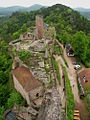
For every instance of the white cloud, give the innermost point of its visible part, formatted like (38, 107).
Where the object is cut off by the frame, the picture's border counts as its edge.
(71, 3)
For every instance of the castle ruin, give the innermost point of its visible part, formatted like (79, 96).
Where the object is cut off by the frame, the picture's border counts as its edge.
(40, 30)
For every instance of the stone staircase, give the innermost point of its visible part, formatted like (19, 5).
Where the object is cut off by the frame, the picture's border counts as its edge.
(76, 115)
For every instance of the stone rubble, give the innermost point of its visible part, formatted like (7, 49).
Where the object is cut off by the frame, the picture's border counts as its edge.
(51, 106)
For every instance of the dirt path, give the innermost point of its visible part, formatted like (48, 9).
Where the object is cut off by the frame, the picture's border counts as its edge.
(71, 74)
(61, 86)
(73, 81)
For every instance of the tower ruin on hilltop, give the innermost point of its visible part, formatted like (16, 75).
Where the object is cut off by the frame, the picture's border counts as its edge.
(40, 30)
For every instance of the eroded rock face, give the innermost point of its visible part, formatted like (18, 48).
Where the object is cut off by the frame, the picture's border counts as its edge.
(51, 106)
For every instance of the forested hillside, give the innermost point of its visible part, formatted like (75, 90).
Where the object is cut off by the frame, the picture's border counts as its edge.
(66, 21)
(70, 26)
(7, 11)
(84, 12)
(62, 17)
(8, 95)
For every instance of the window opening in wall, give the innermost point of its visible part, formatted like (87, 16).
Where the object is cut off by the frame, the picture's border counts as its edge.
(37, 95)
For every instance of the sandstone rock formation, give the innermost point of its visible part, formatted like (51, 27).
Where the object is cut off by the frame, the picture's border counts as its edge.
(51, 106)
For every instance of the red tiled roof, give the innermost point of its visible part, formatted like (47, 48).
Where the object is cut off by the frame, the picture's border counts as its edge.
(86, 73)
(26, 79)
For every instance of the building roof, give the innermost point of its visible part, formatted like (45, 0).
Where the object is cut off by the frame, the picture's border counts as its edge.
(26, 79)
(85, 73)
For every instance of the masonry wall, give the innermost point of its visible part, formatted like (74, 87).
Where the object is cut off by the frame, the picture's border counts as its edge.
(36, 93)
(20, 89)
(27, 36)
(40, 27)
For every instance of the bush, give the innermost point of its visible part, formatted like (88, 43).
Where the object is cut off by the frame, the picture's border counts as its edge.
(87, 64)
(57, 69)
(24, 55)
(58, 50)
(4, 94)
(64, 60)
(69, 98)
(2, 109)
(15, 97)
(5, 68)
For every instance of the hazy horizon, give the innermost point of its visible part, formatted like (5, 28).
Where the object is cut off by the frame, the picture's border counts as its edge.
(27, 3)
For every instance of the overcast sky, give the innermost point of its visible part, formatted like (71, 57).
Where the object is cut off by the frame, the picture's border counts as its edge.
(71, 3)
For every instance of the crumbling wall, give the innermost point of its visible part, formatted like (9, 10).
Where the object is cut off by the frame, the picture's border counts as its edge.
(27, 36)
(40, 30)
(20, 89)
(51, 106)
(36, 93)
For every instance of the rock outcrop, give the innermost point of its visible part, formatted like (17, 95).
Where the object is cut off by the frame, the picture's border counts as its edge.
(51, 106)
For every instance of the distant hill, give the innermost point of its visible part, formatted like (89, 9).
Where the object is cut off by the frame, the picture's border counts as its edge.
(6, 11)
(9, 10)
(34, 7)
(83, 11)
(59, 16)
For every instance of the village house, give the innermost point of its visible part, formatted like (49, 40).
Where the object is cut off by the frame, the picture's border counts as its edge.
(25, 83)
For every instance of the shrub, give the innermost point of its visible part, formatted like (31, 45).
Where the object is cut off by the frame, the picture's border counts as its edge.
(15, 97)
(58, 50)
(55, 64)
(64, 60)
(2, 109)
(24, 55)
(69, 98)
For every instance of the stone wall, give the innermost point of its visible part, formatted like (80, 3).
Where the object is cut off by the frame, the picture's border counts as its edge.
(27, 36)
(30, 95)
(20, 89)
(36, 93)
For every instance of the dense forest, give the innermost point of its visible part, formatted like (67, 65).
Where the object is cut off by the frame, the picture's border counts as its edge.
(70, 26)
(62, 17)
(86, 14)
(8, 95)
(83, 11)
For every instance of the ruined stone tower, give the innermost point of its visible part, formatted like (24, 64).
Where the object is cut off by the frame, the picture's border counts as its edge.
(40, 30)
